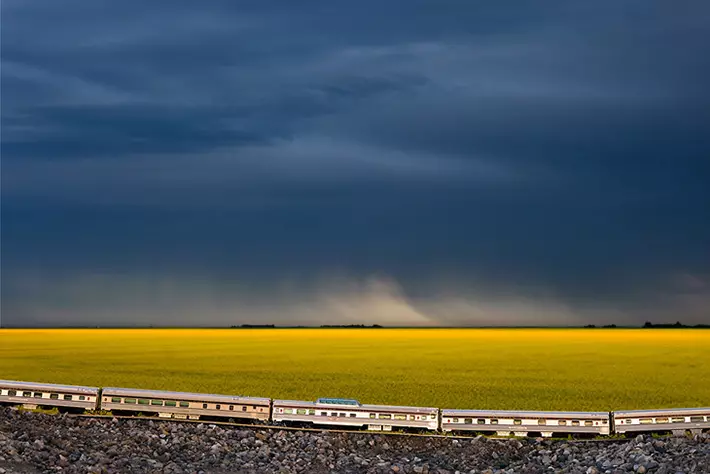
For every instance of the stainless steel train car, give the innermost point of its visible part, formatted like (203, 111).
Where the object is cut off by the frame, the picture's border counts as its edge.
(33, 395)
(184, 405)
(346, 412)
(350, 413)
(676, 419)
(520, 423)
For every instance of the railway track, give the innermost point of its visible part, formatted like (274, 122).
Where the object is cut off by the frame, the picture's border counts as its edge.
(271, 427)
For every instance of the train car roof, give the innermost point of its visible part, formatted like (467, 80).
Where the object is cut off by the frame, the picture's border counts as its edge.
(163, 394)
(307, 404)
(661, 411)
(47, 386)
(525, 414)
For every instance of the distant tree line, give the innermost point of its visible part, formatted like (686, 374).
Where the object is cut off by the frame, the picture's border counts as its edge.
(677, 324)
(649, 325)
(254, 326)
(269, 326)
(349, 326)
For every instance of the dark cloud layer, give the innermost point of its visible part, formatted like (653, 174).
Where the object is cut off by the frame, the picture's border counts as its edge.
(397, 162)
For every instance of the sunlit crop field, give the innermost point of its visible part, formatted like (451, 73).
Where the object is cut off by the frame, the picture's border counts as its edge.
(536, 369)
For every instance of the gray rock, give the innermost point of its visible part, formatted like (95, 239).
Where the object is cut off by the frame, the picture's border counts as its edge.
(137, 446)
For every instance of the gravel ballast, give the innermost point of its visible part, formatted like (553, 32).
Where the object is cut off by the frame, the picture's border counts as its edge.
(33, 443)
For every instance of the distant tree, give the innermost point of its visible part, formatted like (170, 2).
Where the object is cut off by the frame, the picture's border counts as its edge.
(590, 326)
(648, 324)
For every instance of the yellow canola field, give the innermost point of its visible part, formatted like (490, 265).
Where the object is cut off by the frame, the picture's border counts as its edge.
(532, 369)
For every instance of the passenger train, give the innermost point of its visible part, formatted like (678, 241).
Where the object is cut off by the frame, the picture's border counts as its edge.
(339, 412)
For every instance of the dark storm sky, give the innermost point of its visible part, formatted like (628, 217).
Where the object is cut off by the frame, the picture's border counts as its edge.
(403, 162)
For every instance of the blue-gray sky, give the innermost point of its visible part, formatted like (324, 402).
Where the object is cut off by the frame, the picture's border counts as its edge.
(399, 162)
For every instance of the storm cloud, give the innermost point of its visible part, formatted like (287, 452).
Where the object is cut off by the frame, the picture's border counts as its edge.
(423, 163)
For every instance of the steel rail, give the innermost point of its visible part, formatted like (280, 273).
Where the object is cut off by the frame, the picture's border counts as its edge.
(257, 426)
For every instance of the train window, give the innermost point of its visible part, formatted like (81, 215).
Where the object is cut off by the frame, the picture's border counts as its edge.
(288, 411)
(412, 417)
(646, 421)
(542, 421)
(479, 421)
(11, 393)
(678, 419)
(231, 407)
(26, 394)
(372, 415)
(157, 403)
(218, 407)
(333, 413)
(143, 401)
(455, 420)
(384, 416)
(204, 406)
(254, 407)
(588, 423)
(116, 400)
(244, 408)
(562, 422)
(129, 400)
(67, 397)
(575, 422)
(696, 419)
(54, 396)
(628, 422)
(324, 413)
(494, 421)
(82, 397)
(170, 403)
(400, 417)
(517, 422)
(184, 404)
(661, 420)
(352, 415)
(311, 412)
(301, 411)
(38, 394)
(343, 415)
